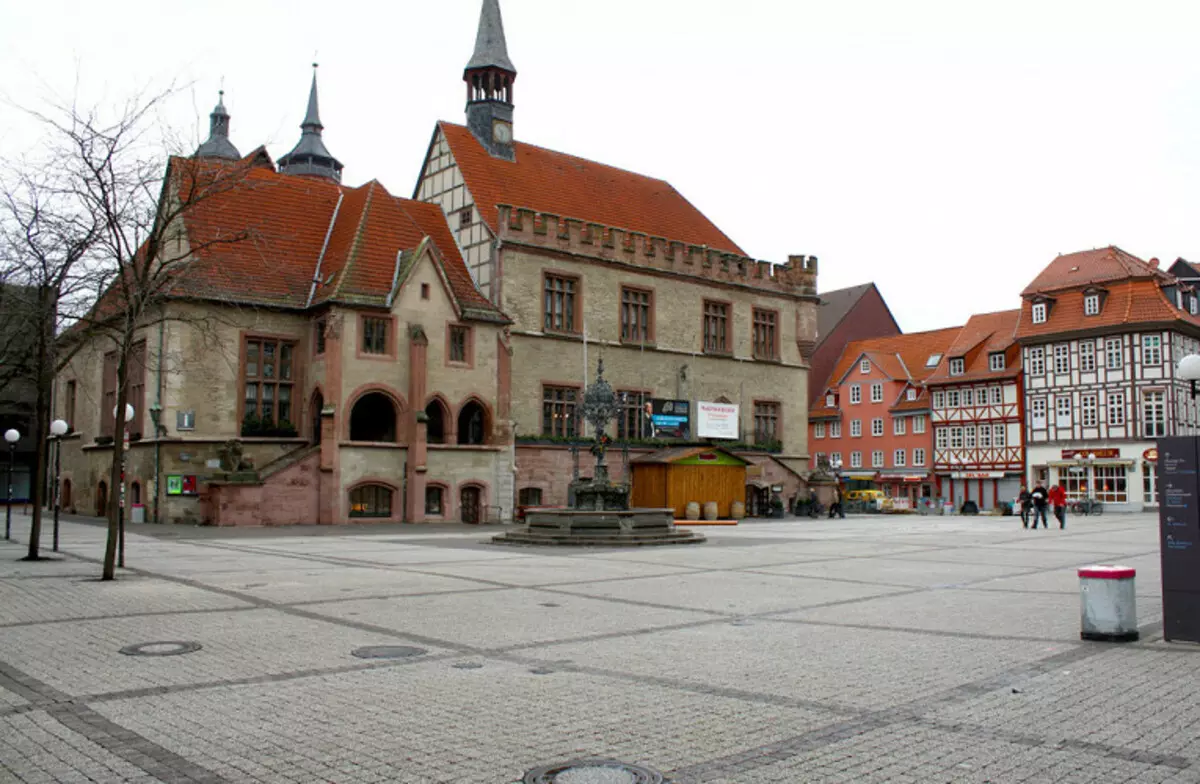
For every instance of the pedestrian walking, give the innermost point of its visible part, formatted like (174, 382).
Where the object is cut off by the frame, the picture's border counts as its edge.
(1025, 501)
(1041, 501)
(1058, 500)
(835, 508)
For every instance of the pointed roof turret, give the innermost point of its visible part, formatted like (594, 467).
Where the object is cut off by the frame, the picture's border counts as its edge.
(310, 156)
(218, 144)
(491, 50)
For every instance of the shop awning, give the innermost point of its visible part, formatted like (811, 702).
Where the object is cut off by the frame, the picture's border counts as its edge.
(1085, 463)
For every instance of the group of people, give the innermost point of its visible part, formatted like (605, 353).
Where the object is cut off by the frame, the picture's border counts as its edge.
(1039, 500)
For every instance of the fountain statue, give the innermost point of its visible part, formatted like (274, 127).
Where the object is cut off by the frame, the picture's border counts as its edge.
(601, 515)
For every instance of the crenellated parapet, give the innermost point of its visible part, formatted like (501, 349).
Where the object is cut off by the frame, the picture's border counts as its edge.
(798, 277)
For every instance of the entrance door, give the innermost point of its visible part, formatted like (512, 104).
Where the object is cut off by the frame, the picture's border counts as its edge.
(469, 502)
(101, 500)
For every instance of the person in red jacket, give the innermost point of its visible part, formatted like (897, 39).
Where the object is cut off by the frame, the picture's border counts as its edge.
(1058, 499)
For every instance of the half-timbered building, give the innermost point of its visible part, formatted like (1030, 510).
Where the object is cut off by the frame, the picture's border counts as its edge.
(1101, 332)
(976, 414)
(873, 419)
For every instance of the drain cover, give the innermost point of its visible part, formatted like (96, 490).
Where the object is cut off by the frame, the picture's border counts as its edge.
(387, 652)
(467, 666)
(593, 772)
(161, 648)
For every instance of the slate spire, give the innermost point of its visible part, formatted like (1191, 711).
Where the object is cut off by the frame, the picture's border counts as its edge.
(218, 144)
(310, 156)
(490, 75)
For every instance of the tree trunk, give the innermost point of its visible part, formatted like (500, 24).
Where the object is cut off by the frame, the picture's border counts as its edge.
(47, 305)
(115, 475)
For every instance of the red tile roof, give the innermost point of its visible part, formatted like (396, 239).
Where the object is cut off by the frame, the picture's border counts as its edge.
(983, 334)
(902, 357)
(1132, 294)
(548, 181)
(1091, 267)
(258, 240)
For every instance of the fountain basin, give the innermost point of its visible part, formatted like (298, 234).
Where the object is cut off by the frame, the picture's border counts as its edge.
(600, 528)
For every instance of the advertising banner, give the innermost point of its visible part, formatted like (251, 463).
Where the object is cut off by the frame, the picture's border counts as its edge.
(717, 420)
(670, 418)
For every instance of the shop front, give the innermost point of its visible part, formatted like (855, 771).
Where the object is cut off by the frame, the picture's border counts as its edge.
(1122, 477)
(988, 490)
(906, 489)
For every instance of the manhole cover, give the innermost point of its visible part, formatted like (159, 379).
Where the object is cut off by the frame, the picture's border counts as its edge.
(467, 666)
(161, 648)
(388, 652)
(593, 772)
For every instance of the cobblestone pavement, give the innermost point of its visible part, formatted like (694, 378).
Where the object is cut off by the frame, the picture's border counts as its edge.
(898, 649)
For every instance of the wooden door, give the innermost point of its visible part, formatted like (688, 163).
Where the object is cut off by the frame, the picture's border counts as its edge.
(469, 502)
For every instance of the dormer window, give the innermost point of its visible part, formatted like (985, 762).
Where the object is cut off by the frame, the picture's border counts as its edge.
(864, 367)
(996, 361)
(1039, 313)
(933, 360)
(911, 394)
(957, 366)
(829, 400)
(1091, 304)
(1192, 305)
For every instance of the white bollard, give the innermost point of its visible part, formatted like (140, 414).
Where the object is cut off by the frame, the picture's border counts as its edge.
(1108, 602)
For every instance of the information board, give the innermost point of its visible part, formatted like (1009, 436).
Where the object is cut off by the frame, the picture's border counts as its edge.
(1179, 534)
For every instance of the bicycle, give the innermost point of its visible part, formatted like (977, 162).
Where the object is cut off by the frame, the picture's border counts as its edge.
(1087, 506)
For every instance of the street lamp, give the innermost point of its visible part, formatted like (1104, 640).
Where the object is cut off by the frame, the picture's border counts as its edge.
(1189, 370)
(121, 503)
(12, 437)
(58, 429)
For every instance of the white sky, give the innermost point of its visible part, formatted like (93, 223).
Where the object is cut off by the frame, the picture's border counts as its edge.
(946, 149)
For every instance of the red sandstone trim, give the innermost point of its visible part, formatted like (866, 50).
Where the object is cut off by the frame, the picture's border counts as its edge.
(470, 348)
(353, 398)
(392, 338)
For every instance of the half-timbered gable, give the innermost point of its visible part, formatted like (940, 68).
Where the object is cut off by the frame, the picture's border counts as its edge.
(1101, 332)
(976, 413)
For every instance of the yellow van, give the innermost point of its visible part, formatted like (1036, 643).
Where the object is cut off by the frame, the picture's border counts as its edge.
(875, 499)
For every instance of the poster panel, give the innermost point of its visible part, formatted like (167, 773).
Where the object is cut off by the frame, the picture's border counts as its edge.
(670, 418)
(1179, 528)
(717, 420)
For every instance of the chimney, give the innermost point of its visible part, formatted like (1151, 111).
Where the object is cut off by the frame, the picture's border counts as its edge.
(1154, 263)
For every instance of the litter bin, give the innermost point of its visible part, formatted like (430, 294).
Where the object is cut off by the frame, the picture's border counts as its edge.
(1108, 603)
(137, 513)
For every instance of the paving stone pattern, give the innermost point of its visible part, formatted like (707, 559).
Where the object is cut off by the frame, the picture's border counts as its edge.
(862, 650)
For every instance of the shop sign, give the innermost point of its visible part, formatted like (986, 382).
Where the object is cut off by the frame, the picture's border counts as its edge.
(977, 475)
(1090, 454)
(1150, 455)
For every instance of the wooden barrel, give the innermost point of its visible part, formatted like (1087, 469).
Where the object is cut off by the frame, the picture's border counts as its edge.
(710, 510)
(692, 511)
(738, 511)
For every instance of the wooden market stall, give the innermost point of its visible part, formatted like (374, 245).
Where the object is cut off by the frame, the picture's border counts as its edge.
(670, 478)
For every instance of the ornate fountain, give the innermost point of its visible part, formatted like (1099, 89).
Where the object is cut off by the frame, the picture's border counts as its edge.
(601, 515)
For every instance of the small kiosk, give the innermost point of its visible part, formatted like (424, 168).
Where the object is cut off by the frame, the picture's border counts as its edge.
(670, 478)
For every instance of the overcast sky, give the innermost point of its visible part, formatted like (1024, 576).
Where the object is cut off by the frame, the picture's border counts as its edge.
(945, 149)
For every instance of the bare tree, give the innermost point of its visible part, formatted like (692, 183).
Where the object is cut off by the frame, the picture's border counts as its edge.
(140, 241)
(46, 234)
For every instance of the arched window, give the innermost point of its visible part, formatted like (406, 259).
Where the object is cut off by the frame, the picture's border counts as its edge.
(135, 493)
(472, 424)
(371, 501)
(318, 403)
(435, 500)
(435, 426)
(64, 498)
(373, 419)
(102, 499)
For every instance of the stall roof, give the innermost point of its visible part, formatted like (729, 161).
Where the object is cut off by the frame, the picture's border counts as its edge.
(691, 455)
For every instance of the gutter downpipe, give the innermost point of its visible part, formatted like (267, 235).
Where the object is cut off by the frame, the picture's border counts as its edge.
(316, 281)
(158, 426)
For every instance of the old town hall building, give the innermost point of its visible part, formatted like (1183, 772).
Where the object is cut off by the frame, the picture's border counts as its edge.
(423, 359)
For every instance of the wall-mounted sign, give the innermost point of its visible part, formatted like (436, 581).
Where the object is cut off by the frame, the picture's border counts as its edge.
(670, 418)
(1150, 455)
(977, 475)
(717, 420)
(1090, 454)
(174, 485)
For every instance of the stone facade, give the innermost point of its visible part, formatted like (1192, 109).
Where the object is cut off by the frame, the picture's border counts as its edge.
(198, 381)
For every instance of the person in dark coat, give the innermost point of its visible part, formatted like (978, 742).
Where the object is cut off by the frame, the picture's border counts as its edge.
(1026, 501)
(1041, 500)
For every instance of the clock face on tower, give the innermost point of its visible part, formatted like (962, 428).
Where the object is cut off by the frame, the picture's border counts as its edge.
(501, 132)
